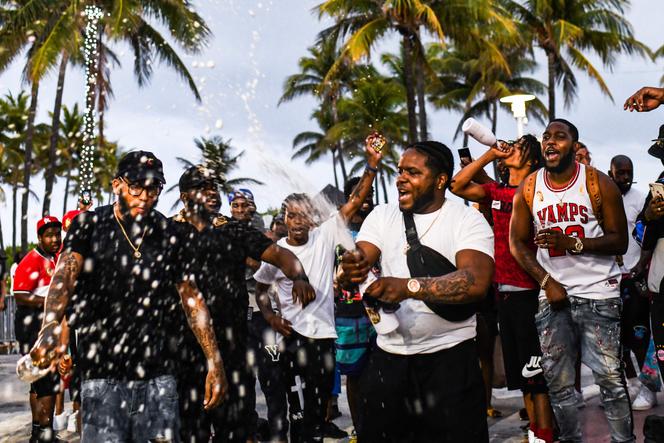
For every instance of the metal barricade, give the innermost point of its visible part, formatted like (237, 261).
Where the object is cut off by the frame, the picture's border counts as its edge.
(7, 334)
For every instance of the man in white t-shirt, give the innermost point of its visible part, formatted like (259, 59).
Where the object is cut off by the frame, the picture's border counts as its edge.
(423, 383)
(308, 328)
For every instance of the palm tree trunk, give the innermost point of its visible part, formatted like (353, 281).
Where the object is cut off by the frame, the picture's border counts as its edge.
(407, 43)
(384, 186)
(551, 57)
(27, 165)
(49, 175)
(377, 191)
(334, 168)
(421, 103)
(342, 162)
(67, 184)
(14, 199)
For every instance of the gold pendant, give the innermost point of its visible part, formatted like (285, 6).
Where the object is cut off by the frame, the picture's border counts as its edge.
(137, 254)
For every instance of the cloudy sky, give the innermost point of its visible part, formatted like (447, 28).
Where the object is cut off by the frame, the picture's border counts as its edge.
(256, 45)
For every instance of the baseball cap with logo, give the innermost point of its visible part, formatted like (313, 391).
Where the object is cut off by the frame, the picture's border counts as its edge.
(197, 177)
(47, 222)
(140, 166)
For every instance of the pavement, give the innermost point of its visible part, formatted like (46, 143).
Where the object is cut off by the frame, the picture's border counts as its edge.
(15, 411)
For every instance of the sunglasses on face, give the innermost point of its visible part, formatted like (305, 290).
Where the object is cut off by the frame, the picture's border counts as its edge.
(136, 189)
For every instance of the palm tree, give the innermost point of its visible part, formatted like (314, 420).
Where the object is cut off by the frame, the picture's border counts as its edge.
(568, 31)
(376, 103)
(69, 145)
(472, 82)
(369, 21)
(217, 155)
(52, 28)
(311, 80)
(312, 145)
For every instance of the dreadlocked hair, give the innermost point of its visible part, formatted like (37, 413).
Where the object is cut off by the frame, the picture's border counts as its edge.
(532, 150)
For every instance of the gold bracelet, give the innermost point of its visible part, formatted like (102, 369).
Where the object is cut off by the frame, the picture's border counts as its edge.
(545, 280)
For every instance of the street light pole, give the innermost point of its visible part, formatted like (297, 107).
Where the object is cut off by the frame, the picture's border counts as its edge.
(518, 104)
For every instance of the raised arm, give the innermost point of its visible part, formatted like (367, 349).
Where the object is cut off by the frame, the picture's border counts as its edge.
(290, 265)
(462, 183)
(200, 323)
(363, 187)
(62, 286)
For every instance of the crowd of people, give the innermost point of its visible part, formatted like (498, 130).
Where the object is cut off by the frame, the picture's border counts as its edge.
(160, 327)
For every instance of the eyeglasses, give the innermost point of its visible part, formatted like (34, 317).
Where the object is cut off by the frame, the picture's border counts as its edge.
(135, 190)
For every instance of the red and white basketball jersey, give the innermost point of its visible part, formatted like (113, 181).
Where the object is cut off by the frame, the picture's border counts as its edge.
(33, 274)
(570, 211)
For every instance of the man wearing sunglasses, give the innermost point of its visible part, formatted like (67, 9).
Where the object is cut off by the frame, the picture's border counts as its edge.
(116, 280)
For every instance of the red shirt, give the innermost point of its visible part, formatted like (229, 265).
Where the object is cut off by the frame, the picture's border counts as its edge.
(33, 274)
(508, 271)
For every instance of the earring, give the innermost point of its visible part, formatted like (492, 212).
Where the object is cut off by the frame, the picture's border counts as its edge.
(440, 186)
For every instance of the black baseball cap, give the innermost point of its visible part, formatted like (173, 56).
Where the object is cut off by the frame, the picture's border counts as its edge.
(657, 150)
(198, 176)
(140, 166)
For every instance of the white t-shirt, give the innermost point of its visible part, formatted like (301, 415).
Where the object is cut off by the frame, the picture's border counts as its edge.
(454, 227)
(633, 202)
(317, 258)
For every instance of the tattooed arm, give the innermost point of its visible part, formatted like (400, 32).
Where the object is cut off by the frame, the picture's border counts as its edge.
(200, 323)
(363, 187)
(466, 285)
(62, 286)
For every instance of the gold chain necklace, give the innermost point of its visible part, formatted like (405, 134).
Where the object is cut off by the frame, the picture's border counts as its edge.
(426, 231)
(137, 253)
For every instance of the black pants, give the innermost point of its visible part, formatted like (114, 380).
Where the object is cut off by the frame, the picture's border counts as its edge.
(436, 397)
(230, 419)
(635, 317)
(313, 360)
(268, 365)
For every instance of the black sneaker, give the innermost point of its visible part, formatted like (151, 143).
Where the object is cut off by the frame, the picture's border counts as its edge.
(330, 430)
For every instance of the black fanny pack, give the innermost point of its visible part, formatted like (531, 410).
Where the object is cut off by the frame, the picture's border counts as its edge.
(426, 262)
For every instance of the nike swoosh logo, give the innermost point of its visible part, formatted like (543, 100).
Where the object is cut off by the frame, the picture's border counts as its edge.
(530, 371)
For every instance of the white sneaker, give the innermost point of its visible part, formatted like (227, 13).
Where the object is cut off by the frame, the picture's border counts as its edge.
(645, 400)
(71, 424)
(60, 422)
(580, 402)
(531, 436)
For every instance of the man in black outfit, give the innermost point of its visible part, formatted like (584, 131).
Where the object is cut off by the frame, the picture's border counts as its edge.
(222, 248)
(123, 269)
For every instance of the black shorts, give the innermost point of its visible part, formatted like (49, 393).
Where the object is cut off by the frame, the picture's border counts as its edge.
(27, 324)
(521, 347)
(437, 397)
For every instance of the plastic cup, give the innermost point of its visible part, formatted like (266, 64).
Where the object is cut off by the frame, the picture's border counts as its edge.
(27, 371)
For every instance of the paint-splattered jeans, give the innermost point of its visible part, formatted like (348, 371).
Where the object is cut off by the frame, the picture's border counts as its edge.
(136, 411)
(593, 326)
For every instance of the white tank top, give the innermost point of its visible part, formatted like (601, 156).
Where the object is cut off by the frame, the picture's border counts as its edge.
(570, 210)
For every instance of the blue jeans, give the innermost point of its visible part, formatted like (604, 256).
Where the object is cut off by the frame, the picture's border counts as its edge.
(593, 326)
(136, 411)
